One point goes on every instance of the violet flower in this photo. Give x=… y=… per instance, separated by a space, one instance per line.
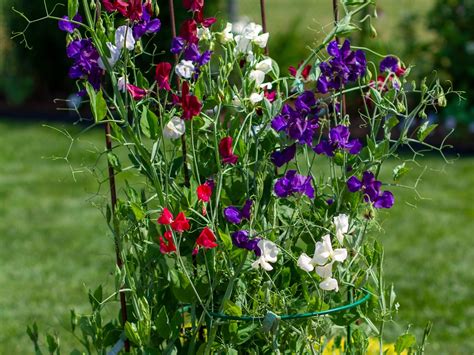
x=67 y=26
x=86 y=65
x=344 y=66
x=299 y=124
x=235 y=215
x=241 y=240
x=338 y=139
x=177 y=45
x=192 y=53
x=371 y=189
x=293 y=183
x=280 y=158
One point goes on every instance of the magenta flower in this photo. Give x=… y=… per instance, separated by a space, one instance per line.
x=371 y=189
x=226 y=151
x=293 y=183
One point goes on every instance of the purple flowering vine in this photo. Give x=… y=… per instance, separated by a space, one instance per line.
x=299 y=123
x=67 y=26
x=146 y=25
x=343 y=67
x=86 y=58
x=294 y=183
x=241 y=240
x=280 y=158
x=371 y=190
x=338 y=139
x=235 y=215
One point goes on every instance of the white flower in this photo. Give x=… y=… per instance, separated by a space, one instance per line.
x=258 y=76
x=252 y=30
x=243 y=44
x=269 y=253
x=226 y=35
x=174 y=128
x=322 y=261
x=324 y=252
x=185 y=69
x=265 y=65
x=124 y=38
x=266 y=86
x=262 y=40
x=256 y=98
x=203 y=33
x=236 y=101
x=114 y=56
x=121 y=84
x=341 y=223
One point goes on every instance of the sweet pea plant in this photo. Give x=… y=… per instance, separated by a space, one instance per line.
x=247 y=225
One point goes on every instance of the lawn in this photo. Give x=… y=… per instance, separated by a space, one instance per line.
x=56 y=246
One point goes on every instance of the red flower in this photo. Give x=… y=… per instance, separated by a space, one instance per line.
x=166 y=248
x=270 y=96
x=304 y=73
x=162 y=75
x=136 y=92
x=116 y=5
x=225 y=150
x=190 y=103
x=204 y=192
x=205 y=22
x=188 y=31
x=166 y=217
x=181 y=223
x=400 y=71
x=207 y=239
x=135 y=10
x=193 y=5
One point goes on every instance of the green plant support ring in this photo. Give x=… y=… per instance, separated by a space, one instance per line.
x=297 y=315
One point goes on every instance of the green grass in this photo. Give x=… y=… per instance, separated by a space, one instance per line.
x=55 y=244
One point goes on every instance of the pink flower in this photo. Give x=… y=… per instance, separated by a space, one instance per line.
x=162 y=75
x=169 y=247
x=304 y=73
x=226 y=152
x=181 y=223
x=205 y=22
x=207 y=239
x=136 y=92
x=166 y=217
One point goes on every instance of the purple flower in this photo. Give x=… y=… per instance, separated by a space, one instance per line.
x=241 y=240
x=338 y=139
x=280 y=158
x=192 y=53
x=299 y=124
x=344 y=66
x=146 y=25
x=293 y=183
x=177 y=45
x=371 y=189
x=390 y=63
x=85 y=65
x=67 y=26
x=235 y=215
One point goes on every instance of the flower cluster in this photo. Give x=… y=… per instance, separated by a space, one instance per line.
x=338 y=139
x=371 y=190
x=343 y=67
x=294 y=183
x=86 y=62
x=299 y=123
x=235 y=215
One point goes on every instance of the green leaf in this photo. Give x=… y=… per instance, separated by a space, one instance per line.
x=424 y=130
x=137 y=211
x=390 y=122
x=114 y=161
x=72 y=8
x=405 y=341
x=97 y=102
x=231 y=309
x=226 y=240
x=162 y=323
x=400 y=171
x=131 y=333
x=53 y=343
